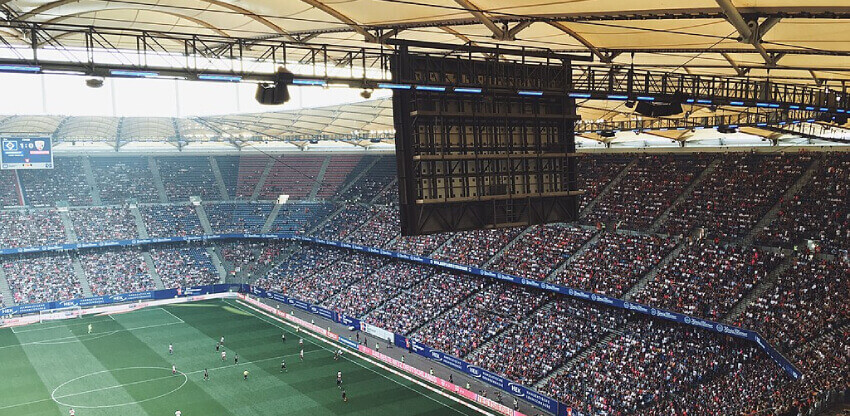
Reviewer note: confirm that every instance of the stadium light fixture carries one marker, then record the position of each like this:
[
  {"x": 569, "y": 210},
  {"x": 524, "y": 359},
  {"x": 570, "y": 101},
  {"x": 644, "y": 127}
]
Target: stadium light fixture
[{"x": 20, "y": 68}]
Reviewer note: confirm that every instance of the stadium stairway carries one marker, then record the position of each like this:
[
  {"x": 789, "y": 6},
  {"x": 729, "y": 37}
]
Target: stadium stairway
[
  {"x": 95, "y": 191},
  {"x": 497, "y": 336},
  {"x": 141, "y": 230},
  {"x": 510, "y": 244},
  {"x": 444, "y": 311},
  {"x": 802, "y": 181},
  {"x": 270, "y": 220},
  {"x": 217, "y": 263},
  {"x": 261, "y": 182},
  {"x": 8, "y": 297},
  {"x": 157, "y": 180},
  {"x": 611, "y": 185},
  {"x": 70, "y": 234},
  {"x": 583, "y": 248},
  {"x": 685, "y": 192},
  {"x": 322, "y": 223},
  {"x": 81, "y": 276},
  {"x": 320, "y": 177},
  {"x": 569, "y": 364},
  {"x": 202, "y": 216},
  {"x": 386, "y": 188},
  {"x": 157, "y": 280},
  {"x": 658, "y": 267},
  {"x": 354, "y": 180},
  {"x": 219, "y": 180},
  {"x": 766, "y": 284}
]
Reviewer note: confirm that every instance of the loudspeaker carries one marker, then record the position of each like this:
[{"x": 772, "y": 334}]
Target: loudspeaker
[
  {"x": 654, "y": 109},
  {"x": 276, "y": 93}
]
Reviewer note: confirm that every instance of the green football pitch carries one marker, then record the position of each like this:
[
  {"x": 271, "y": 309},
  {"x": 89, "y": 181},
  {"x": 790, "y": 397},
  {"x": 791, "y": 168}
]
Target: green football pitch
[{"x": 124, "y": 368}]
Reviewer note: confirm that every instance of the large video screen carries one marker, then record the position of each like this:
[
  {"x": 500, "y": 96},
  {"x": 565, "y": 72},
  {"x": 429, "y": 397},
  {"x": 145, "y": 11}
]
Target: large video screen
[{"x": 26, "y": 153}]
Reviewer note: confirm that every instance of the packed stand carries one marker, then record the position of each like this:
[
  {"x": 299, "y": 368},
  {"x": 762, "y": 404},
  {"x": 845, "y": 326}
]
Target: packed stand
[
  {"x": 185, "y": 176},
  {"x": 41, "y": 278},
  {"x": 596, "y": 172},
  {"x": 305, "y": 260},
  {"x": 184, "y": 267},
  {"x": 381, "y": 227},
  {"x": 484, "y": 315},
  {"x": 544, "y": 341},
  {"x": 115, "y": 272},
  {"x": 335, "y": 278},
  {"x": 28, "y": 228},
  {"x": 10, "y": 194},
  {"x": 808, "y": 299},
  {"x": 474, "y": 248},
  {"x": 420, "y": 245},
  {"x": 540, "y": 250},
  {"x": 647, "y": 190},
  {"x": 730, "y": 201},
  {"x": 372, "y": 182},
  {"x": 707, "y": 279},
  {"x": 65, "y": 182},
  {"x": 649, "y": 361},
  {"x": 369, "y": 293},
  {"x": 237, "y": 217},
  {"x": 819, "y": 211},
  {"x": 107, "y": 223},
  {"x": 418, "y": 305},
  {"x": 122, "y": 178},
  {"x": 614, "y": 263},
  {"x": 171, "y": 220}
]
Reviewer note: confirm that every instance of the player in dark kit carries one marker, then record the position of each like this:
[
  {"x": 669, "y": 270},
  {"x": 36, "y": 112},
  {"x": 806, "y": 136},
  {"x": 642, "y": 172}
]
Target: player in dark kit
[
  {"x": 282, "y": 366},
  {"x": 344, "y": 396},
  {"x": 206, "y": 375}
]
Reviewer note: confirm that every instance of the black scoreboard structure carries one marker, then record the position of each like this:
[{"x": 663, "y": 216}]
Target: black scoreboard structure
[{"x": 480, "y": 146}]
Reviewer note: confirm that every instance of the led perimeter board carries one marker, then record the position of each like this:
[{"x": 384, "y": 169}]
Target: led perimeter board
[
  {"x": 26, "y": 153},
  {"x": 478, "y": 147}
]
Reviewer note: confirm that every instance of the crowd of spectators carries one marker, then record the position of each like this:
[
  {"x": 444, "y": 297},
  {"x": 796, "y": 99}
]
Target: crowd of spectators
[
  {"x": 41, "y": 278},
  {"x": 184, "y": 266},
  {"x": 103, "y": 223},
  {"x": 9, "y": 193},
  {"x": 482, "y": 316},
  {"x": 421, "y": 303},
  {"x": 321, "y": 285},
  {"x": 820, "y": 211},
  {"x": 380, "y": 228},
  {"x": 65, "y": 182},
  {"x": 614, "y": 263},
  {"x": 185, "y": 176},
  {"x": 650, "y": 360},
  {"x": 112, "y": 272},
  {"x": 171, "y": 220},
  {"x": 647, "y": 190},
  {"x": 373, "y": 181},
  {"x": 540, "y": 250},
  {"x": 707, "y": 279},
  {"x": 743, "y": 187},
  {"x": 376, "y": 288},
  {"x": 475, "y": 248},
  {"x": 122, "y": 178},
  {"x": 420, "y": 245},
  {"x": 808, "y": 299},
  {"x": 305, "y": 260},
  {"x": 28, "y": 228},
  {"x": 597, "y": 171},
  {"x": 535, "y": 347}
]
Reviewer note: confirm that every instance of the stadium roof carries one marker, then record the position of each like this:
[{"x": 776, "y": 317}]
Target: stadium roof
[{"x": 778, "y": 39}]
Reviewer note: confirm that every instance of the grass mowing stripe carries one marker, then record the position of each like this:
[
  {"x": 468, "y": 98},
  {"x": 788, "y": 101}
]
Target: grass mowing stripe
[
  {"x": 426, "y": 395},
  {"x": 76, "y": 338}
]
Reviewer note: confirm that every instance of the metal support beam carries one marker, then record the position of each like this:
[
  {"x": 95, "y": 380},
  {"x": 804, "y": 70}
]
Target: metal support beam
[
  {"x": 593, "y": 49},
  {"x": 740, "y": 71},
  {"x": 744, "y": 29},
  {"x": 498, "y": 33}
]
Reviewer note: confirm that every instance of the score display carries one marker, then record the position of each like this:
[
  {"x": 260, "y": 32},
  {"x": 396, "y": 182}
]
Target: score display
[{"x": 26, "y": 153}]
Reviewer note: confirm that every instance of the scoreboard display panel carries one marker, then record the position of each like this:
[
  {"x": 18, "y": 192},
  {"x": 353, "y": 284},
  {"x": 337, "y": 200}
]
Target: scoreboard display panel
[{"x": 26, "y": 153}]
